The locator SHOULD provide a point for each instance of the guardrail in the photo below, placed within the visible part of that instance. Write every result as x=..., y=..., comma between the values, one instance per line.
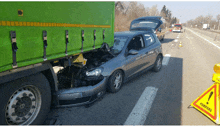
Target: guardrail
x=217, y=35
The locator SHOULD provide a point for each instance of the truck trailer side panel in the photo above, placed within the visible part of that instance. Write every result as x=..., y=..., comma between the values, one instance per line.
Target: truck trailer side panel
x=30, y=19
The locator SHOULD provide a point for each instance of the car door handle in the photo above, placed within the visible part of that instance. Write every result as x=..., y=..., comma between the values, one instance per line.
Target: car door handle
x=139, y=57
x=151, y=52
x=144, y=55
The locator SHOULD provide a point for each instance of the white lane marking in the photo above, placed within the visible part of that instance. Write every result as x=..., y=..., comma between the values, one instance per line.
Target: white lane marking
x=166, y=59
x=176, y=40
x=140, y=111
x=205, y=39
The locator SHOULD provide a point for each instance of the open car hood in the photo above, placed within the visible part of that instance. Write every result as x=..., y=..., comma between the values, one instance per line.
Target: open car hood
x=149, y=22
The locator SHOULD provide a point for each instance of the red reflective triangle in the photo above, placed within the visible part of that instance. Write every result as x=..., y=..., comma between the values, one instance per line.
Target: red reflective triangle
x=201, y=108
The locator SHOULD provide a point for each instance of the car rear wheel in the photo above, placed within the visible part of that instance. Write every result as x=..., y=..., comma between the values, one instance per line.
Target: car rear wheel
x=115, y=81
x=158, y=64
x=25, y=101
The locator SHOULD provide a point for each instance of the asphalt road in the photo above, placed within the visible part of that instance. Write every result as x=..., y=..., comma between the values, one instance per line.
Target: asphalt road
x=183, y=77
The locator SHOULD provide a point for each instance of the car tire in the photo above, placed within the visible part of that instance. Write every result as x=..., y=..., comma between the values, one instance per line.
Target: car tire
x=115, y=81
x=158, y=64
x=25, y=101
x=162, y=38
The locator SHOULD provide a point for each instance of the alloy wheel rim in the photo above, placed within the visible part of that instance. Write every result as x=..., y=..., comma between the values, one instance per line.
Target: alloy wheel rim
x=23, y=106
x=159, y=63
x=118, y=81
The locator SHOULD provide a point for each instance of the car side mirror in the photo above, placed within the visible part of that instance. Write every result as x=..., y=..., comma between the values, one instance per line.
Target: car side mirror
x=132, y=52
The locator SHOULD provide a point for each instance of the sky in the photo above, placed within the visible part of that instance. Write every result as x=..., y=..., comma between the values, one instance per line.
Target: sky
x=186, y=10
x=183, y=10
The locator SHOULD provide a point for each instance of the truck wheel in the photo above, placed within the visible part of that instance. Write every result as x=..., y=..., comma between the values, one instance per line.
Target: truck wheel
x=158, y=64
x=25, y=101
x=115, y=81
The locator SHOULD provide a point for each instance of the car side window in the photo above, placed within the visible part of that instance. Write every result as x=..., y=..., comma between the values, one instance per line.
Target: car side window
x=149, y=39
x=136, y=43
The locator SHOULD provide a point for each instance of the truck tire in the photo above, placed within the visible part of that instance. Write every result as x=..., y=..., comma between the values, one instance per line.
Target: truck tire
x=25, y=101
x=115, y=81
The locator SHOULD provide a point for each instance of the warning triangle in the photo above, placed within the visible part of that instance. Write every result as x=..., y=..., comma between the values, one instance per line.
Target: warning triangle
x=207, y=102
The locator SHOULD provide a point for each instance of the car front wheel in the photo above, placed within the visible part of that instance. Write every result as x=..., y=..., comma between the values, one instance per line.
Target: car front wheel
x=115, y=81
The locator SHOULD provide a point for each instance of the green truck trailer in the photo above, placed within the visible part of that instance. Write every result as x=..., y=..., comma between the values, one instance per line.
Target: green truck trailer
x=34, y=37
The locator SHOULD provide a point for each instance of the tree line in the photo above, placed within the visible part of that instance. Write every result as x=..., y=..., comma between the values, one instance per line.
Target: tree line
x=125, y=12
x=198, y=22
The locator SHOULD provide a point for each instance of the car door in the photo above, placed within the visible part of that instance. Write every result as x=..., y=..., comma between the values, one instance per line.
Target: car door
x=150, y=54
x=134, y=63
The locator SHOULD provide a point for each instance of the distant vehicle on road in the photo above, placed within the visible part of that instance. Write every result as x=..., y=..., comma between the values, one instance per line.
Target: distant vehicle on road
x=205, y=27
x=177, y=28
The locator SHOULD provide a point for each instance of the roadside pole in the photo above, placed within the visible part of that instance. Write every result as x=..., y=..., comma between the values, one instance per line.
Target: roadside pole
x=218, y=24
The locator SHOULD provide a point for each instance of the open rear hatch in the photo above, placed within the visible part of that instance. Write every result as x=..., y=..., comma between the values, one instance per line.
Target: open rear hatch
x=145, y=23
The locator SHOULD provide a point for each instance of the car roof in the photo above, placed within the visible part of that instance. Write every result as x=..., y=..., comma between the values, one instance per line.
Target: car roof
x=130, y=33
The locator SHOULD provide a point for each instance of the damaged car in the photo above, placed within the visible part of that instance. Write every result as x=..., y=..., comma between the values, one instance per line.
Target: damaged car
x=108, y=68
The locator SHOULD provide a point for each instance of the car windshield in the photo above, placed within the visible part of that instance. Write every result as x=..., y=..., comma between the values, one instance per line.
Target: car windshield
x=119, y=43
x=143, y=24
x=177, y=25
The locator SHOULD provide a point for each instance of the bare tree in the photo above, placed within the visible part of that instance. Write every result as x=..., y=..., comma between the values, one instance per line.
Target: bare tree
x=125, y=12
x=167, y=15
x=163, y=12
x=154, y=11
x=118, y=8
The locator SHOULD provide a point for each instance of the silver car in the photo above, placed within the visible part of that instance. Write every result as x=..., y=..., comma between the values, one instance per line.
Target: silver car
x=133, y=52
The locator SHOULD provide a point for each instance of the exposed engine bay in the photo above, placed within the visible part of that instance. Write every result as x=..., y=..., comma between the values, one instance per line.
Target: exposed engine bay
x=75, y=75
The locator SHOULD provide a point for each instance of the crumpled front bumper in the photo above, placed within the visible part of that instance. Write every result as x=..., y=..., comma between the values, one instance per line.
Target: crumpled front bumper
x=81, y=95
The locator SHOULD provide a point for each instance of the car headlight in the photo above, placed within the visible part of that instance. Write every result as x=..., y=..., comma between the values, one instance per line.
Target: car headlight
x=95, y=72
